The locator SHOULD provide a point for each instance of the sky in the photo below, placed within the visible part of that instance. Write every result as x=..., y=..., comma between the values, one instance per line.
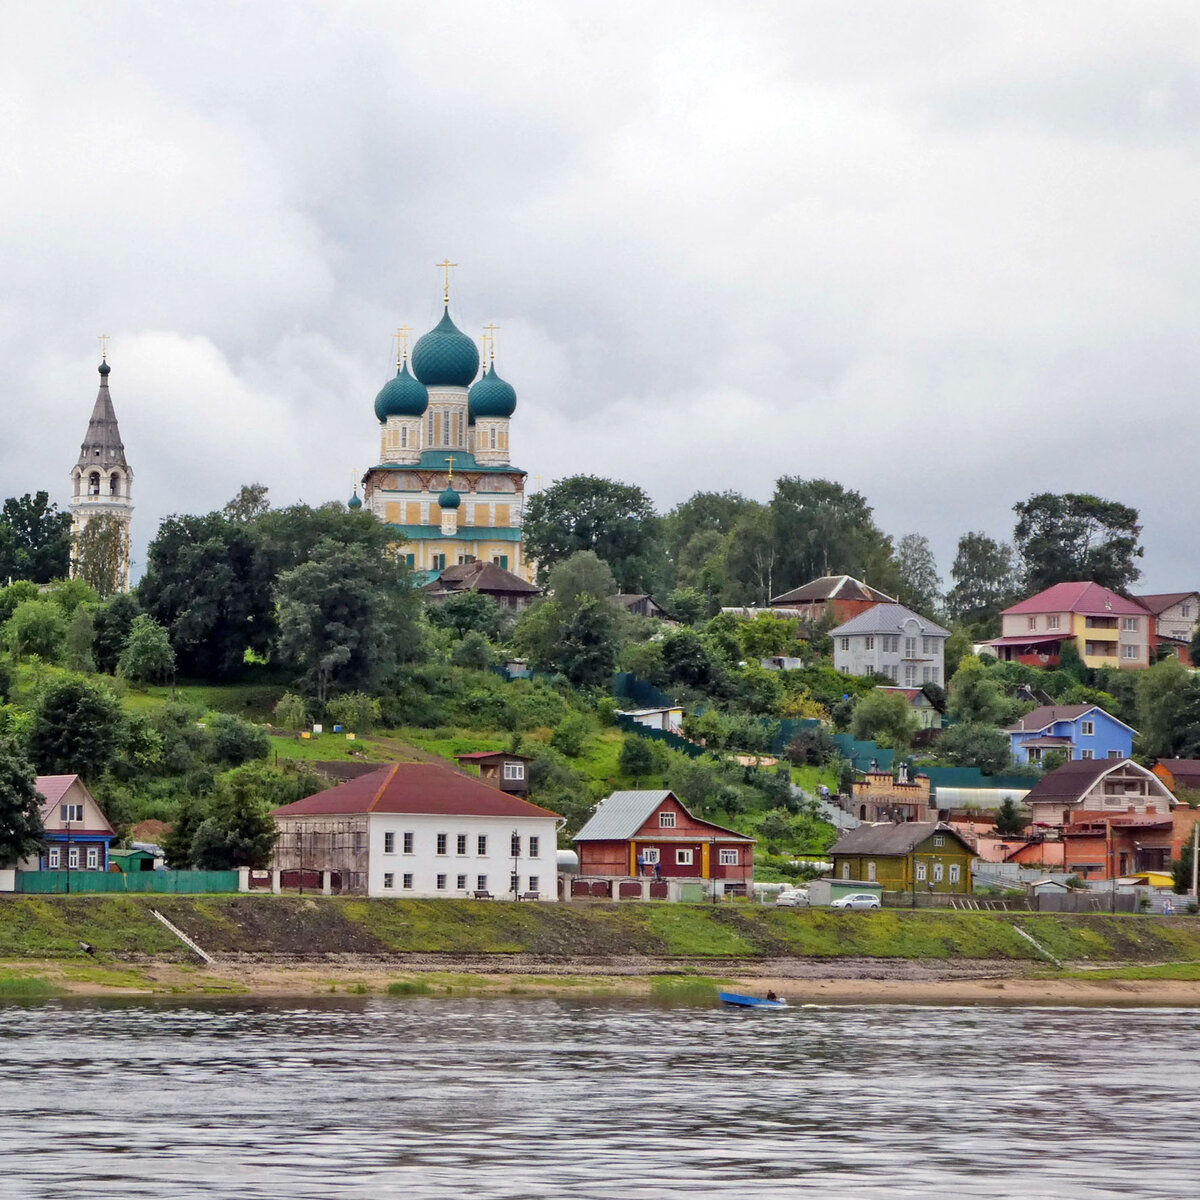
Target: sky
x=943, y=253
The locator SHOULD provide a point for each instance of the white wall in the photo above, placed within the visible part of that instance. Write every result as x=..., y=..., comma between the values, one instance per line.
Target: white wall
x=424, y=864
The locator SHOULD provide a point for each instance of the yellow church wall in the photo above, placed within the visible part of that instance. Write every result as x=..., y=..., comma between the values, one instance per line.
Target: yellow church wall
x=393, y=513
x=502, y=511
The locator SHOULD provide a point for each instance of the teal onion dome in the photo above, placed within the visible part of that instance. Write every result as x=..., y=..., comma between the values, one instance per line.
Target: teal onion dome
x=449, y=498
x=354, y=503
x=445, y=356
x=104, y=367
x=403, y=396
x=491, y=396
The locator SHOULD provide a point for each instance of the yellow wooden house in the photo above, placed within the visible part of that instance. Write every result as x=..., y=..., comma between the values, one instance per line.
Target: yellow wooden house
x=924, y=856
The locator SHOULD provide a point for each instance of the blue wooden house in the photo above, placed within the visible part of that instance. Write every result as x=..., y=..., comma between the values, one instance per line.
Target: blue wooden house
x=1081, y=731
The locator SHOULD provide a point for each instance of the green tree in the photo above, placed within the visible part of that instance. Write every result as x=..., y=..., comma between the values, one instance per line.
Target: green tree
x=78, y=642
x=975, y=745
x=769, y=634
x=291, y=712
x=584, y=573
x=355, y=711
x=687, y=604
x=36, y=627
x=35, y=539
x=234, y=740
x=287, y=537
x=751, y=559
x=587, y=653
x=920, y=584
x=822, y=528
x=77, y=729
x=1074, y=536
x=1168, y=707
x=346, y=617
x=474, y=652
x=584, y=512
x=147, y=656
x=636, y=759
x=238, y=829
x=207, y=585
x=21, y=832
x=69, y=594
x=984, y=581
x=976, y=698
x=249, y=504
x=111, y=624
x=101, y=550
x=16, y=593
x=884, y=717
x=570, y=735
x=467, y=612
x=1010, y=820
x=177, y=841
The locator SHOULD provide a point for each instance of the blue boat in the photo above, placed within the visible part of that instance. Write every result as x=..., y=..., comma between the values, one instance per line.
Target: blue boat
x=735, y=1000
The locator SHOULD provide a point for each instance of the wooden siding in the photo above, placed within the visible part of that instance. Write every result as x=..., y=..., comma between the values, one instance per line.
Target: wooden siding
x=899, y=873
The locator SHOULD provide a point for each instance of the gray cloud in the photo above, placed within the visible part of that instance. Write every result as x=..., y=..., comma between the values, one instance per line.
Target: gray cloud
x=944, y=254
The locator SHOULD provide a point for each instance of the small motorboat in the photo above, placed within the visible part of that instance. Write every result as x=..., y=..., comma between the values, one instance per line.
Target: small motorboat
x=736, y=1000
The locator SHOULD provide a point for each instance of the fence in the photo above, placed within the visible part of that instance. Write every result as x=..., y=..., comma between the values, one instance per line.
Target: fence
x=627, y=686
x=78, y=882
x=629, y=725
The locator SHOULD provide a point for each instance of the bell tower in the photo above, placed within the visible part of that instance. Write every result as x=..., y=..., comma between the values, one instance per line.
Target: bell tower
x=102, y=481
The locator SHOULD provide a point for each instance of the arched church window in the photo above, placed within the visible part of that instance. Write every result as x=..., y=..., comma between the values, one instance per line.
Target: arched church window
x=404, y=436
x=114, y=485
x=491, y=439
x=94, y=483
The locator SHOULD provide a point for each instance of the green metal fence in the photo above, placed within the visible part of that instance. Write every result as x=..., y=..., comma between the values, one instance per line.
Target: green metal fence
x=44, y=882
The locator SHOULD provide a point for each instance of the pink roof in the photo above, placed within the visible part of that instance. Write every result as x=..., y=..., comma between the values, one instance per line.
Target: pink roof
x=414, y=788
x=1088, y=598
x=54, y=787
x=1039, y=639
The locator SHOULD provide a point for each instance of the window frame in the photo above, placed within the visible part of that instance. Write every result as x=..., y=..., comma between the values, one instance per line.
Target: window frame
x=442, y=844
x=729, y=856
x=389, y=881
x=685, y=856
x=389, y=841
x=406, y=881
x=514, y=771
x=481, y=847
x=666, y=820
x=408, y=842
x=535, y=844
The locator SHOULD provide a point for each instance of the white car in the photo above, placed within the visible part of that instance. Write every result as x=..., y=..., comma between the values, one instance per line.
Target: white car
x=792, y=898
x=856, y=900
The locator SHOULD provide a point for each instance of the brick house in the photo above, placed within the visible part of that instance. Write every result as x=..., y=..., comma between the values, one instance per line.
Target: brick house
x=882, y=796
x=1176, y=618
x=656, y=829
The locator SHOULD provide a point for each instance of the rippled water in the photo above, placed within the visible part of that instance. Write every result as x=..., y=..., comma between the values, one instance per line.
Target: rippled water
x=550, y=1098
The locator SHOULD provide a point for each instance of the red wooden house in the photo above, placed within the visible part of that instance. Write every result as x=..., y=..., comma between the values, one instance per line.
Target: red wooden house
x=652, y=833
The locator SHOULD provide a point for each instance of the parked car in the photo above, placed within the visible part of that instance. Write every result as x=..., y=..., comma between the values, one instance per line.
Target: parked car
x=856, y=900
x=792, y=898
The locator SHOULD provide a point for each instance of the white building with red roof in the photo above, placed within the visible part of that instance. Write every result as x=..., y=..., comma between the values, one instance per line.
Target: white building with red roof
x=1109, y=630
x=421, y=830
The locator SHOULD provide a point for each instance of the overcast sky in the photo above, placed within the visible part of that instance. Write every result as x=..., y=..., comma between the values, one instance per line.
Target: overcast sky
x=943, y=253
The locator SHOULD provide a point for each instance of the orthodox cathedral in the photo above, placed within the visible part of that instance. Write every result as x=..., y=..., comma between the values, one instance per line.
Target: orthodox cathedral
x=445, y=480
x=102, y=479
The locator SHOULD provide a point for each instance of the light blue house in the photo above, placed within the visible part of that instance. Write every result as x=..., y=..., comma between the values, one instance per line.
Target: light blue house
x=1082, y=731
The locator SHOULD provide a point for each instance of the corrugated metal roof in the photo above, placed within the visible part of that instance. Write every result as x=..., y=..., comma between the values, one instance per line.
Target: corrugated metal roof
x=54, y=787
x=1080, y=596
x=832, y=587
x=887, y=618
x=619, y=816
x=887, y=839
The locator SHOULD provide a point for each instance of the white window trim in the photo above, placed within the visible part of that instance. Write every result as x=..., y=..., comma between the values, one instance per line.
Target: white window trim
x=684, y=857
x=728, y=857
x=666, y=820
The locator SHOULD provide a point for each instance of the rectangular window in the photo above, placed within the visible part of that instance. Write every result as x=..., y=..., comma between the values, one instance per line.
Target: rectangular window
x=460, y=844
x=54, y=861
x=514, y=770
x=408, y=843
x=870, y=872
x=389, y=880
x=462, y=883
x=939, y=872
x=666, y=820
x=1087, y=754
x=1185, y=611
x=1052, y=622
x=910, y=675
x=1130, y=624
x=868, y=643
x=439, y=562
x=71, y=812
x=404, y=436
x=93, y=858
x=955, y=873
x=1130, y=652
x=410, y=560
x=683, y=858
x=845, y=643
x=514, y=845
x=481, y=844
x=921, y=872
x=73, y=858
x=650, y=855
x=441, y=843
x=1114, y=754
x=407, y=883
x=910, y=647
x=729, y=858
x=939, y=839
x=533, y=883
x=481, y=883
x=441, y=883
x=533, y=847
x=1033, y=622
x=1087, y=728
x=389, y=843
x=926, y=674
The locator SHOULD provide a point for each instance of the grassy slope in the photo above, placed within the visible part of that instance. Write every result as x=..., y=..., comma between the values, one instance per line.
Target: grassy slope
x=311, y=927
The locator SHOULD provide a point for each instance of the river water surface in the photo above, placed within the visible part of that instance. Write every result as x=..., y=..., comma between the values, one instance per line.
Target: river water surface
x=556, y=1098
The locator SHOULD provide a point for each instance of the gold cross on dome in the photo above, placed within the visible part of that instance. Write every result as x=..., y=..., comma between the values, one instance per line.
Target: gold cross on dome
x=445, y=266
x=402, y=343
x=491, y=331
x=450, y=472
x=104, y=346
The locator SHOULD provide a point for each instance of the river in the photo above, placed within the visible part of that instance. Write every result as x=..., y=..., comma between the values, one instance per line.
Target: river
x=519, y=1097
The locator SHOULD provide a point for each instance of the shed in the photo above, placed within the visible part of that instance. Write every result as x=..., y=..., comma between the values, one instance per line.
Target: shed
x=822, y=892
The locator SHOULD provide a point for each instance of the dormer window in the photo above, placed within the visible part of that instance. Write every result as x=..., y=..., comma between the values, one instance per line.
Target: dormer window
x=666, y=820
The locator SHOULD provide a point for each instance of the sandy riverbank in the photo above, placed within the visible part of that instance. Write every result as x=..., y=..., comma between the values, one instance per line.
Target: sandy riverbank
x=919, y=984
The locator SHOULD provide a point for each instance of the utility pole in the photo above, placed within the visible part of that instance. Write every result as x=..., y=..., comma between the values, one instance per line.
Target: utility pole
x=1195, y=856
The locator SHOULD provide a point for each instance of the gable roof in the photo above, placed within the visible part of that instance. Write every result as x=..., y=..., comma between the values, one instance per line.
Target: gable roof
x=619, y=816
x=484, y=755
x=887, y=618
x=888, y=839
x=480, y=577
x=1161, y=601
x=414, y=788
x=1074, y=779
x=833, y=587
x=1045, y=716
x=1081, y=597
x=54, y=787
x=1183, y=769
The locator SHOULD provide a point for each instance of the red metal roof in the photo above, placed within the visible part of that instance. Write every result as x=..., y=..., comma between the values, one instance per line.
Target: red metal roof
x=414, y=788
x=1083, y=597
x=54, y=787
x=1038, y=639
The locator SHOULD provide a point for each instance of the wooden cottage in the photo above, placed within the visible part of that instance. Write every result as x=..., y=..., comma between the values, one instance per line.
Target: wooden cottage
x=924, y=856
x=508, y=772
